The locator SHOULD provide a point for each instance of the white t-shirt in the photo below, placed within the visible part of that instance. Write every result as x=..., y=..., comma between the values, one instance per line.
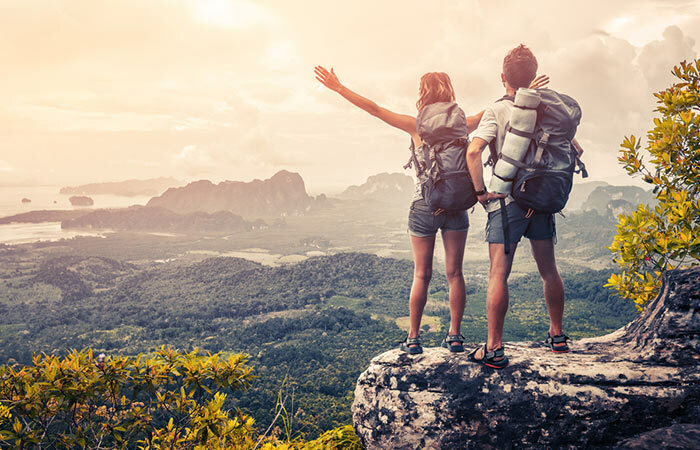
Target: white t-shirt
x=493, y=126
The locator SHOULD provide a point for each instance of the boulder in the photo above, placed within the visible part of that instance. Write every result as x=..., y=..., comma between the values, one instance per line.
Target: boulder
x=607, y=389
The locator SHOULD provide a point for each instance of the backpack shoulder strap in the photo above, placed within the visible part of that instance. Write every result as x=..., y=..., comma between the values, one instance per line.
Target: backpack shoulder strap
x=413, y=161
x=580, y=166
x=493, y=157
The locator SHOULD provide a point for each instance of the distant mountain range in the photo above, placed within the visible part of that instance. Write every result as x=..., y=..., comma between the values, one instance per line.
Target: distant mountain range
x=128, y=188
x=580, y=192
x=389, y=187
x=282, y=194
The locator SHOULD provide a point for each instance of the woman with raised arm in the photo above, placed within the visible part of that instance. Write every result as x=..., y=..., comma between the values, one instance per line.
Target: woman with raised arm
x=424, y=221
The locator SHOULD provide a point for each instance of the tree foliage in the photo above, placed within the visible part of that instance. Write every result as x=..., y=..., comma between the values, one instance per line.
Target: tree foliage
x=170, y=400
x=650, y=241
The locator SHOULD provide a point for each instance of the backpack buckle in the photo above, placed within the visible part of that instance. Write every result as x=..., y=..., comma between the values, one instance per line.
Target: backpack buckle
x=542, y=143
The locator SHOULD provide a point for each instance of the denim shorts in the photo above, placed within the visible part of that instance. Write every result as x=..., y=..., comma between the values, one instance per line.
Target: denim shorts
x=536, y=227
x=422, y=222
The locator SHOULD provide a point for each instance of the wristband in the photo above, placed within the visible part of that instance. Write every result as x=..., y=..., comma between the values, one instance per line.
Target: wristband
x=481, y=192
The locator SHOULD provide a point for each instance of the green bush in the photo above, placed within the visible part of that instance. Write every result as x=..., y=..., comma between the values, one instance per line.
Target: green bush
x=171, y=400
x=651, y=240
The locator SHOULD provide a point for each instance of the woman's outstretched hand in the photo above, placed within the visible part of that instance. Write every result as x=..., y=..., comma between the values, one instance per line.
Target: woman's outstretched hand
x=541, y=81
x=328, y=79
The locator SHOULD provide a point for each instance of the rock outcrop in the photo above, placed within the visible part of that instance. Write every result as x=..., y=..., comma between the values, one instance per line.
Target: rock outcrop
x=613, y=200
x=607, y=389
x=282, y=194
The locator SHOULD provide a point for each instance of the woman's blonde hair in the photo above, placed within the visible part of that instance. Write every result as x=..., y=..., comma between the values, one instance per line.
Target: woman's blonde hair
x=435, y=87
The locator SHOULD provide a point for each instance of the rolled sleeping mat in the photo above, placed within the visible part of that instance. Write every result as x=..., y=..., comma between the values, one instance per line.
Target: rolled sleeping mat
x=514, y=145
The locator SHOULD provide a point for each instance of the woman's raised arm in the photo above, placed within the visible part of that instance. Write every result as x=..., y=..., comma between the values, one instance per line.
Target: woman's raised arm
x=473, y=121
x=400, y=121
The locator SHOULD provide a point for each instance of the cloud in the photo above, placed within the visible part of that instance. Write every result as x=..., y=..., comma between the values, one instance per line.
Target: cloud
x=233, y=155
x=224, y=88
x=658, y=57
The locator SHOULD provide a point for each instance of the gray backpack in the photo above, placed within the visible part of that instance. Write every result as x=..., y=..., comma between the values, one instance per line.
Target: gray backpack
x=440, y=162
x=545, y=177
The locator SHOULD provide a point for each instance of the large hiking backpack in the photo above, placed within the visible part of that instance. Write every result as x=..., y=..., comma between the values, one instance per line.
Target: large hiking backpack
x=440, y=162
x=544, y=178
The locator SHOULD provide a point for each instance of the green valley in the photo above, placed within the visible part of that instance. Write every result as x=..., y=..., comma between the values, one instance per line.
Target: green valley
x=315, y=323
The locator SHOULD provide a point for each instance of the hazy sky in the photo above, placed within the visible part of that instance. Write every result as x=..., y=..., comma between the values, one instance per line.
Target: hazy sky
x=224, y=89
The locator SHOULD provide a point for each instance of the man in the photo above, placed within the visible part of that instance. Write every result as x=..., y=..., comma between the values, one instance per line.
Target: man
x=519, y=69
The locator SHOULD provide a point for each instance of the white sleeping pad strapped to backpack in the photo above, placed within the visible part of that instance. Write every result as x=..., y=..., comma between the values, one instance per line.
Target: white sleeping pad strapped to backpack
x=517, y=140
x=440, y=162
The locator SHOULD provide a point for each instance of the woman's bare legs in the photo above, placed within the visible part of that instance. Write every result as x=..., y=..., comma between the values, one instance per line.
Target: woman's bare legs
x=454, y=254
x=423, y=270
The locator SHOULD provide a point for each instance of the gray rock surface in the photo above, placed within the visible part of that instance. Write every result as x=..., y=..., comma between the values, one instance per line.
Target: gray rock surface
x=679, y=436
x=607, y=389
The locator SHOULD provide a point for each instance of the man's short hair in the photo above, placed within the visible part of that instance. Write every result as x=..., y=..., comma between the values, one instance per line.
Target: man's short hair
x=519, y=67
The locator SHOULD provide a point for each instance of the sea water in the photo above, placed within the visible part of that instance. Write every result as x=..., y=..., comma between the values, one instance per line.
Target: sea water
x=48, y=197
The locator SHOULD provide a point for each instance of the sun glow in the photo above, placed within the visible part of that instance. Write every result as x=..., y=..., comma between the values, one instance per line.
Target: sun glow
x=228, y=13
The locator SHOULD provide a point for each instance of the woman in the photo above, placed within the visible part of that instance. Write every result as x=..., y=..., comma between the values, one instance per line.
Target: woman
x=423, y=222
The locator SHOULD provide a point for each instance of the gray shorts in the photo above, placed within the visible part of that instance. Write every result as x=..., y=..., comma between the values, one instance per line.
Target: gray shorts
x=422, y=222
x=536, y=227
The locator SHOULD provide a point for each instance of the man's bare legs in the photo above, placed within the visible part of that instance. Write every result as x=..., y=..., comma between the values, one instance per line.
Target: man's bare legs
x=497, y=295
x=422, y=272
x=543, y=252
x=454, y=242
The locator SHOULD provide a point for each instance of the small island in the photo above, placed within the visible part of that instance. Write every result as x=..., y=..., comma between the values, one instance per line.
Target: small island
x=81, y=200
x=26, y=200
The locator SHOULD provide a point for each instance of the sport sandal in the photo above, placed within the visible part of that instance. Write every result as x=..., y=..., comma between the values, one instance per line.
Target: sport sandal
x=558, y=343
x=489, y=358
x=412, y=346
x=454, y=348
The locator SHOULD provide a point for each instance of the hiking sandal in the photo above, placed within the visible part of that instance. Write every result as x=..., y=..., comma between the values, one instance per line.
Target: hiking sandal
x=412, y=346
x=454, y=348
x=488, y=358
x=555, y=342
